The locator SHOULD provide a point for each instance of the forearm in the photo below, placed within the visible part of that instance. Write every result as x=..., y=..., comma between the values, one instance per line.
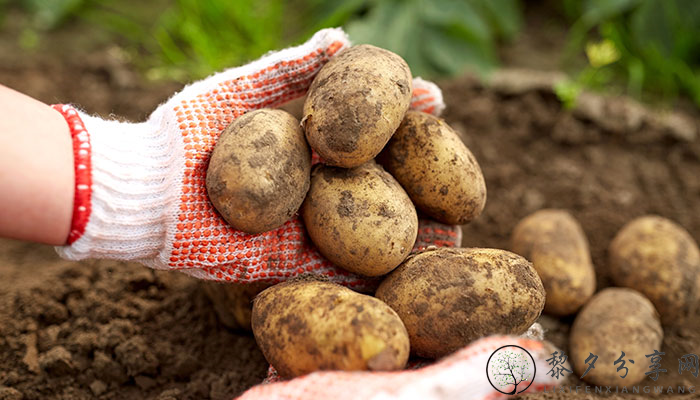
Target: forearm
x=36, y=170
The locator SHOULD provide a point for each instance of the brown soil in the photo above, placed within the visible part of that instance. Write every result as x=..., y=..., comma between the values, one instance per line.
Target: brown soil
x=118, y=330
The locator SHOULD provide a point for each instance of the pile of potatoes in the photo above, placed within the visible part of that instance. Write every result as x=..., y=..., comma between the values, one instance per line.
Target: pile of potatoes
x=359, y=213
x=655, y=265
x=380, y=164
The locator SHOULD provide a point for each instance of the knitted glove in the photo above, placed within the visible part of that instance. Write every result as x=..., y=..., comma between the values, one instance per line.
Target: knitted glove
x=463, y=375
x=140, y=189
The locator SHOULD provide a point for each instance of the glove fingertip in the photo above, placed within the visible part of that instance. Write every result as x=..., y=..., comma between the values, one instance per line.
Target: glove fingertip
x=330, y=38
x=427, y=97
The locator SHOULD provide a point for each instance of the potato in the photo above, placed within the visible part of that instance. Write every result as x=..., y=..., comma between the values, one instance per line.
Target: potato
x=233, y=304
x=658, y=258
x=259, y=171
x=613, y=321
x=450, y=297
x=557, y=247
x=360, y=218
x=303, y=326
x=355, y=104
x=436, y=169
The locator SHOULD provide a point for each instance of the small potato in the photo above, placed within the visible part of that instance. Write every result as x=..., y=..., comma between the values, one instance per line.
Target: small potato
x=661, y=260
x=259, y=171
x=233, y=304
x=615, y=320
x=449, y=297
x=557, y=247
x=437, y=170
x=360, y=218
x=355, y=104
x=305, y=326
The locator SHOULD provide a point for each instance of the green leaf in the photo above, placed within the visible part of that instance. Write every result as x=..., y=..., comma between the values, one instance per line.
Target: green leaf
x=388, y=25
x=504, y=16
x=438, y=37
x=452, y=54
x=650, y=26
x=444, y=13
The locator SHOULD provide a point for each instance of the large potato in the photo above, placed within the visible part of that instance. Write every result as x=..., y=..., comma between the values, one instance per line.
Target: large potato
x=259, y=171
x=450, y=297
x=613, y=321
x=658, y=258
x=437, y=170
x=355, y=104
x=305, y=326
x=360, y=218
x=557, y=247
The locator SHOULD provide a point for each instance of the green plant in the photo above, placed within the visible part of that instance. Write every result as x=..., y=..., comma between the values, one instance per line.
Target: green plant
x=596, y=75
x=436, y=37
x=657, y=43
x=205, y=36
x=188, y=39
x=182, y=39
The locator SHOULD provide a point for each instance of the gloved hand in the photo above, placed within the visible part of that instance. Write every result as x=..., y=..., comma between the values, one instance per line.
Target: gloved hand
x=140, y=187
x=141, y=196
x=462, y=375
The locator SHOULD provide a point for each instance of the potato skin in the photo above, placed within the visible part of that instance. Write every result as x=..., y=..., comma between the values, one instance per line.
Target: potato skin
x=355, y=104
x=447, y=298
x=360, y=219
x=305, y=326
x=557, y=247
x=259, y=171
x=661, y=260
x=615, y=320
x=436, y=168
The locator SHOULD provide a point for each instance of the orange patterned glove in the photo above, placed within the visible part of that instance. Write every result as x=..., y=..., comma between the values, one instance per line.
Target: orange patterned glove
x=140, y=187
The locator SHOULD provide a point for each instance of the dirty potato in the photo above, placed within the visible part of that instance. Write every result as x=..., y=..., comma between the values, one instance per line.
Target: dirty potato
x=355, y=104
x=660, y=259
x=450, y=297
x=259, y=171
x=557, y=247
x=360, y=218
x=438, y=171
x=615, y=320
x=303, y=326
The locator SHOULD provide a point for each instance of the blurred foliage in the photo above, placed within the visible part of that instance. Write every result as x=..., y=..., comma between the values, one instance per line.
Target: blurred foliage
x=653, y=46
x=181, y=39
x=187, y=39
x=48, y=14
x=207, y=36
x=435, y=37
